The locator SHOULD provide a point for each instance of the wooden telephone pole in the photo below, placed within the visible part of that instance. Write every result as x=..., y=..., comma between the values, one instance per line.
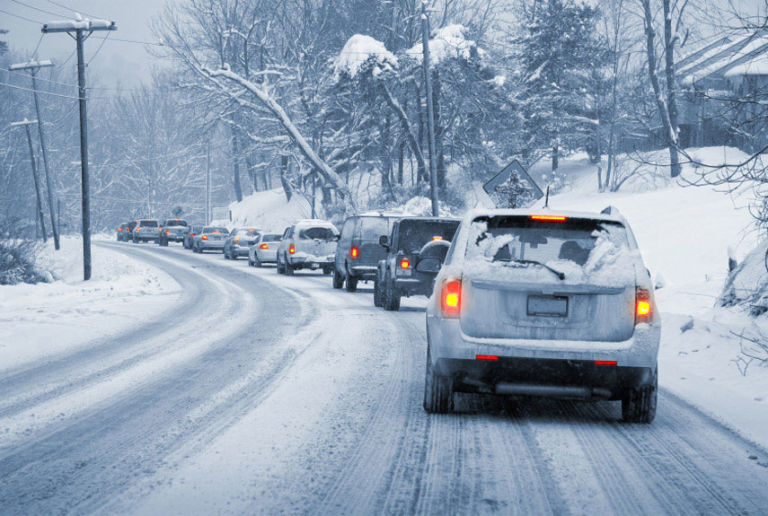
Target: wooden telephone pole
x=430, y=109
x=80, y=30
x=33, y=67
x=26, y=123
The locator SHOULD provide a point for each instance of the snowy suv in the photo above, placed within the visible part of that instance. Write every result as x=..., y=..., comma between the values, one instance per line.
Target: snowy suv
x=308, y=244
x=532, y=303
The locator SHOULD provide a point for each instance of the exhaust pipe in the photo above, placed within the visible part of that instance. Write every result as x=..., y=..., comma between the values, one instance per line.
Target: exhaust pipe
x=551, y=391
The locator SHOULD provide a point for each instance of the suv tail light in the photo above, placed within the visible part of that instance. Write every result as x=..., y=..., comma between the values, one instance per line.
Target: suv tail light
x=237, y=239
x=264, y=246
x=549, y=218
x=450, y=298
x=191, y=234
x=119, y=230
x=138, y=228
x=405, y=263
x=204, y=237
x=354, y=252
x=167, y=232
x=291, y=249
x=159, y=230
x=643, y=308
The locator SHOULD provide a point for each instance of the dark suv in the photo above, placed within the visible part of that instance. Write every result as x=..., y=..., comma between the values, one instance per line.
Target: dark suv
x=145, y=230
x=359, y=250
x=401, y=273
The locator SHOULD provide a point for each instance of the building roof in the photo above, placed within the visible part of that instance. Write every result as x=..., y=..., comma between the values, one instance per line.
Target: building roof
x=729, y=56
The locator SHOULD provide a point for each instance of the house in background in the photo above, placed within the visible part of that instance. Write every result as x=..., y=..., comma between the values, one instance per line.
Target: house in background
x=724, y=93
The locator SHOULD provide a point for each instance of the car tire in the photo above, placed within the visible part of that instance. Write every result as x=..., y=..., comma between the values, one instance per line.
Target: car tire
x=377, y=293
x=391, y=298
x=351, y=284
x=639, y=404
x=257, y=262
x=338, y=279
x=327, y=270
x=289, y=269
x=438, y=390
x=164, y=243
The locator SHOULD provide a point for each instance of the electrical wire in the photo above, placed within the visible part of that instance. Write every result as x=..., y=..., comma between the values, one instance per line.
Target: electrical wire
x=97, y=50
x=22, y=17
x=37, y=8
x=71, y=9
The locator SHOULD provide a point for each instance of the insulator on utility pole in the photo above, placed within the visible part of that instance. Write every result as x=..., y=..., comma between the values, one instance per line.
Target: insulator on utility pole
x=79, y=28
x=33, y=67
x=430, y=109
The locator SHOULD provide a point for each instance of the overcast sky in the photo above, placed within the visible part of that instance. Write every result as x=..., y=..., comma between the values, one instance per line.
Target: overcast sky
x=118, y=63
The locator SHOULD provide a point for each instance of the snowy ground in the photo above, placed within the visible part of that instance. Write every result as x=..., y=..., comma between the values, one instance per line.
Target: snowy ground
x=38, y=322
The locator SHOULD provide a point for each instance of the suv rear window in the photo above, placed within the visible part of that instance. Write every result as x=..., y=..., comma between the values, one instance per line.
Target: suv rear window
x=175, y=222
x=271, y=238
x=148, y=223
x=214, y=229
x=371, y=228
x=515, y=238
x=413, y=234
x=319, y=233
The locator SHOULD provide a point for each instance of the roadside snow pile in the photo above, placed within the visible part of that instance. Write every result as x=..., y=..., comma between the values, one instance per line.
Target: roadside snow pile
x=268, y=210
x=46, y=318
x=420, y=206
x=361, y=49
x=747, y=285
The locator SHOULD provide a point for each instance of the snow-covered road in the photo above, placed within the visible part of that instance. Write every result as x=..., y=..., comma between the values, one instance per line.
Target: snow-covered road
x=259, y=393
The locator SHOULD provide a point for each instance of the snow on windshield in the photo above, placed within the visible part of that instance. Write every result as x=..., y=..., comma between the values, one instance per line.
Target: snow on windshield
x=584, y=251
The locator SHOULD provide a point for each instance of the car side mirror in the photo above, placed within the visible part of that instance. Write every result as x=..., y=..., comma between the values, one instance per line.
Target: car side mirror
x=337, y=237
x=659, y=283
x=429, y=265
x=384, y=241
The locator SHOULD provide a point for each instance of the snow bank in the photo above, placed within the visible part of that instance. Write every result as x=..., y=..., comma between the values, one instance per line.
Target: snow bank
x=45, y=319
x=268, y=210
x=747, y=285
x=361, y=49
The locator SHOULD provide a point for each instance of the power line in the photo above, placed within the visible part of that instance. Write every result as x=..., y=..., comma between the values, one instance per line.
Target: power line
x=98, y=49
x=21, y=17
x=39, y=91
x=71, y=9
x=37, y=8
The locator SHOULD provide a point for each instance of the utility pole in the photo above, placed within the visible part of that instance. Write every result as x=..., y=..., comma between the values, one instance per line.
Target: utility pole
x=33, y=67
x=430, y=109
x=80, y=28
x=207, y=183
x=39, y=206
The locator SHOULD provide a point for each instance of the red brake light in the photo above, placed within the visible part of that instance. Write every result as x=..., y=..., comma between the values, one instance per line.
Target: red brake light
x=436, y=237
x=191, y=234
x=549, y=218
x=643, y=308
x=237, y=239
x=167, y=231
x=204, y=237
x=605, y=362
x=264, y=246
x=486, y=357
x=405, y=263
x=138, y=228
x=354, y=252
x=119, y=230
x=291, y=249
x=159, y=230
x=450, y=298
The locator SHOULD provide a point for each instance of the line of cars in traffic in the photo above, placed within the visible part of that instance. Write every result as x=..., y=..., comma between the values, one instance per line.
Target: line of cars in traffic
x=523, y=303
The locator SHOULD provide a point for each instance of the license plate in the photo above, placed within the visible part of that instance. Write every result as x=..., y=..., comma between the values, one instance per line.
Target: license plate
x=548, y=306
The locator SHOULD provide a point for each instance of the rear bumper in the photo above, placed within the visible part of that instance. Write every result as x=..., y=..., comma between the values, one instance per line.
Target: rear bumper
x=447, y=341
x=549, y=378
x=266, y=255
x=413, y=286
x=366, y=272
x=145, y=238
x=208, y=245
x=305, y=260
x=239, y=250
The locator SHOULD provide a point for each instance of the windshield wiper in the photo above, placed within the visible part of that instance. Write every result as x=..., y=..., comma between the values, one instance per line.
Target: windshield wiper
x=556, y=272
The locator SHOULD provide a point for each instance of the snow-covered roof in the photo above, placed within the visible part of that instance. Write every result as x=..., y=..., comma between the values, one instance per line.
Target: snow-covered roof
x=727, y=57
x=525, y=212
x=358, y=50
x=448, y=42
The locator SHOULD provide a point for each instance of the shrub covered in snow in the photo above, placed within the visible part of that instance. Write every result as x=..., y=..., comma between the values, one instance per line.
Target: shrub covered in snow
x=17, y=257
x=747, y=284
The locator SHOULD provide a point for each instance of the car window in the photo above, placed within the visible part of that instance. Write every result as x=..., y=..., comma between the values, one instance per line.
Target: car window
x=347, y=232
x=213, y=229
x=509, y=239
x=175, y=222
x=414, y=234
x=148, y=223
x=371, y=228
x=272, y=237
x=317, y=233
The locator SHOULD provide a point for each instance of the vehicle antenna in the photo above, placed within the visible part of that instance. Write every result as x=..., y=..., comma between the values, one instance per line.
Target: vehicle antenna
x=546, y=200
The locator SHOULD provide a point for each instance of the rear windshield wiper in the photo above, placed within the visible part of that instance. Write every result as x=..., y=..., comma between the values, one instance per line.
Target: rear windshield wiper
x=556, y=272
